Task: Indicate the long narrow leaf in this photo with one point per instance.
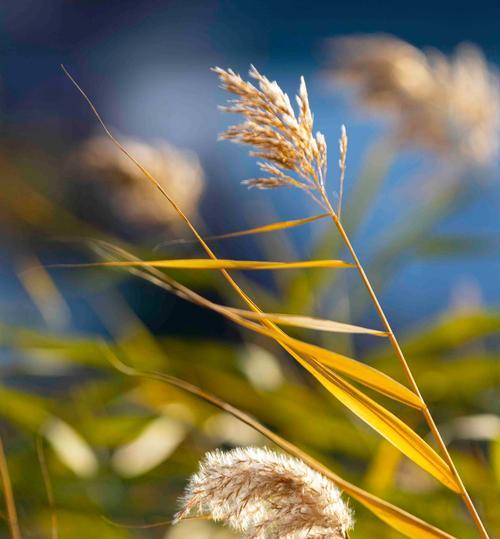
(360, 372)
(385, 423)
(392, 515)
(308, 322)
(378, 417)
(209, 263)
(273, 227)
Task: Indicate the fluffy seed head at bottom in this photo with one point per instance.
(264, 495)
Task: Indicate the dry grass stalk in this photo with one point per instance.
(178, 171)
(12, 519)
(449, 106)
(395, 517)
(233, 83)
(264, 495)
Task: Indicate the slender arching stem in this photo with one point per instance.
(269, 324)
(12, 519)
(406, 368)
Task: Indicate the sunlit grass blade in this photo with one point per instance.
(384, 422)
(392, 515)
(362, 373)
(273, 227)
(308, 322)
(379, 418)
(396, 518)
(218, 264)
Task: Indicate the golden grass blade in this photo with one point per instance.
(273, 227)
(385, 423)
(362, 373)
(15, 532)
(430, 460)
(308, 322)
(395, 517)
(210, 264)
(378, 417)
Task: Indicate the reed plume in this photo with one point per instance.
(254, 104)
(328, 368)
(264, 495)
(293, 155)
(447, 105)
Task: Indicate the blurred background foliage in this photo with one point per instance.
(118, 450)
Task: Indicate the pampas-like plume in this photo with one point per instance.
(264, 495)
(446, 105)
(178, 171)
(293, 155)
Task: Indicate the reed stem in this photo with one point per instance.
(15, 532)
(406, 368)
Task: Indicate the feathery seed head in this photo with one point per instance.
(178, 171)
(450, 106)
(264, 495)
(292, 154)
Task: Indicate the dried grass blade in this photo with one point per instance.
(10, 504)
(435, 463)
(218, 264)
(308, 322)
(395, 517)
(365, 374)
(362, 373)
(384, 422)
(273, 227)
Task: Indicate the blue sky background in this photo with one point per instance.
(147, 63)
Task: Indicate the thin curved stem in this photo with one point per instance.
(406, 368)
(15, 532)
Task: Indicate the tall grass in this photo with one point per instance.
(294, 156)
(258, 492)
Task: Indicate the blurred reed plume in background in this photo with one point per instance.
(121, 184)
(448, 106)
(263, 495)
